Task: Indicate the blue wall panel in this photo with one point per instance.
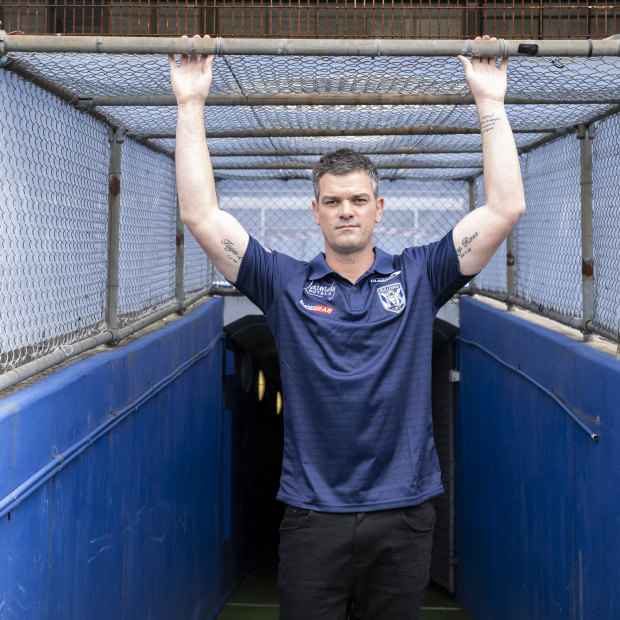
(538, 504)
(126, 523)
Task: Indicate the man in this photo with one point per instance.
(354, 334)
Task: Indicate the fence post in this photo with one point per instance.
(510, 268)
(585, 133)
(472, 194)
(116, 137)
(180, 256)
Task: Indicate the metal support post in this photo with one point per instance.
(315, 99)
(510, 268)
(116, 138)
(585, 133)
(303, 132)
(472, 194)
(180, 256)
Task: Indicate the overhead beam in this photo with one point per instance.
(314, 99)
(307, 47)
(321, 133)
(414, 150)
(295, 166)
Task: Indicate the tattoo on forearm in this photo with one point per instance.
(465, 247)
(488, 122)
(231, 253)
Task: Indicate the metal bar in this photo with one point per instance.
(564, 319)
(510, 264)
(310, 47)
(356, 99)
(60, 460)
(584, 134)
(116, 138)
(316, 133)
(542, 388)
(42, 82)
(110, 336)
(180, 255)
(414, 150)
(472, 194)
(25, 371)
(295, 166)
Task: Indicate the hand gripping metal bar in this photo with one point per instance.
(4, 59)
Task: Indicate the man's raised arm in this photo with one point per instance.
(478, 235)
(219, 233)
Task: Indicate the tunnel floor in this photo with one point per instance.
(257, 598)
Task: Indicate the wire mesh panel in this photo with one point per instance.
(548, 237)
(279, 213)
(418, 212)
(493, 277)
(147, 231)
(606, 222)
(53, 222)
(197, 267)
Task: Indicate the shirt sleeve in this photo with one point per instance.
(261, 274)
(444, 270)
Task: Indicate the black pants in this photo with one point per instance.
(363, 566)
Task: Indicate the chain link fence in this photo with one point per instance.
(53, 223)
(147, 252)
(548, 237)
(278, 213)
(606, 222)
(55, 174)
(54, 191)
(550, 263)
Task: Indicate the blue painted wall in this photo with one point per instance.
(538, 500)
(111, 483)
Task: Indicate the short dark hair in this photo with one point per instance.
(341, 162)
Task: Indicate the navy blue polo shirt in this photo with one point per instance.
(355, 362)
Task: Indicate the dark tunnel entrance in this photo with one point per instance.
(253, 396)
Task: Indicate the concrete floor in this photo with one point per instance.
(257, 599)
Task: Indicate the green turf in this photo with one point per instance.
(257, 598)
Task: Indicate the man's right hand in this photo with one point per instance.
(219, 233)
(191, 79)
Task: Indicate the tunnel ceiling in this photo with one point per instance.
(271, 116)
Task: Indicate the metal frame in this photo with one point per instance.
(305, 99)
(220, 46)
(312, 47)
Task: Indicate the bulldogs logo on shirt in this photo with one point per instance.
(392, 297)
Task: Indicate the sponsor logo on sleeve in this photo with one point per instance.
(326, 290)
(392, 297)
(316, 307)
(386, 279)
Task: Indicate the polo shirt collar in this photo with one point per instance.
(383, 264)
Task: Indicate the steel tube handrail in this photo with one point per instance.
(297, 166)
(424, 130)
(565, 319)
(309, 47)
(313, 99)
(109, 336)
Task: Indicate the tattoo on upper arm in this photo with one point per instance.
(488, 122)
(231, 253)
(465, 247)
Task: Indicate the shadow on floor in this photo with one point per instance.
(257, 599)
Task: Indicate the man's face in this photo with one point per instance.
(347, 211)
